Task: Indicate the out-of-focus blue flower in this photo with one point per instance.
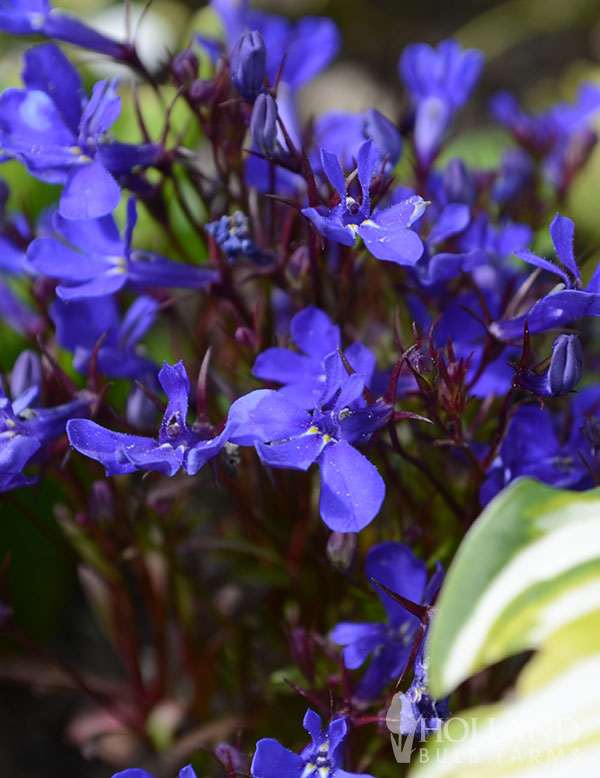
(532, 447)
(415, 711)
(515, 177)
(562, 375)
(101, 262)
(394, 565)
(286, 435)
(322, 758)
(439, 82)
(248, 64)
(386, 234)
(560, 135)
(559, 308)
(24, 430)
(232, 234)
(343, 134)
(303, 375)
(308, 46)
(81, 323)
(61, 137)
(15, 233)
(435, 265)
(37, 17)
(17, 314)
(177, 445)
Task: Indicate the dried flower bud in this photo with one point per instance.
(248, 64)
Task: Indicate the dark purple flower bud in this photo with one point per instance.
(185, 66)
(566, 365)
(263, 124)
(26, 374)
(458, 183)
(340, 549)
(246, 337)
(248, 64)
(231, 757)
(384, 134)
(202, 91)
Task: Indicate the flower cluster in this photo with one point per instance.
(358, 332)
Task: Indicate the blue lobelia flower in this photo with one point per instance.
(24, 430)
(102, 262)
(232, 234)
(561, 135)
(343, 133)
(61, 137)
(561, 307)
(394, 565)
(533, 447)
(386, 234)
(286, 435)
(23, 17)
(322, 758)
(80, 324)
(176, 446)
(305, 48)
(303, 375)
(439, 82)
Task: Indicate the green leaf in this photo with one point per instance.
(550, 726)
(529, 565)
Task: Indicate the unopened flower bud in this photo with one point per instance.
(384, 134)
(246, 337)
(26, 374)
(248, 64)
(566, 365)
(201, 91)
(263, 124)
(185, 66)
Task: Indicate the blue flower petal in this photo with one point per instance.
(359, 640)
(90, 191)
(394, 565)
(352, 490)
(314, 333)
(272, 760)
